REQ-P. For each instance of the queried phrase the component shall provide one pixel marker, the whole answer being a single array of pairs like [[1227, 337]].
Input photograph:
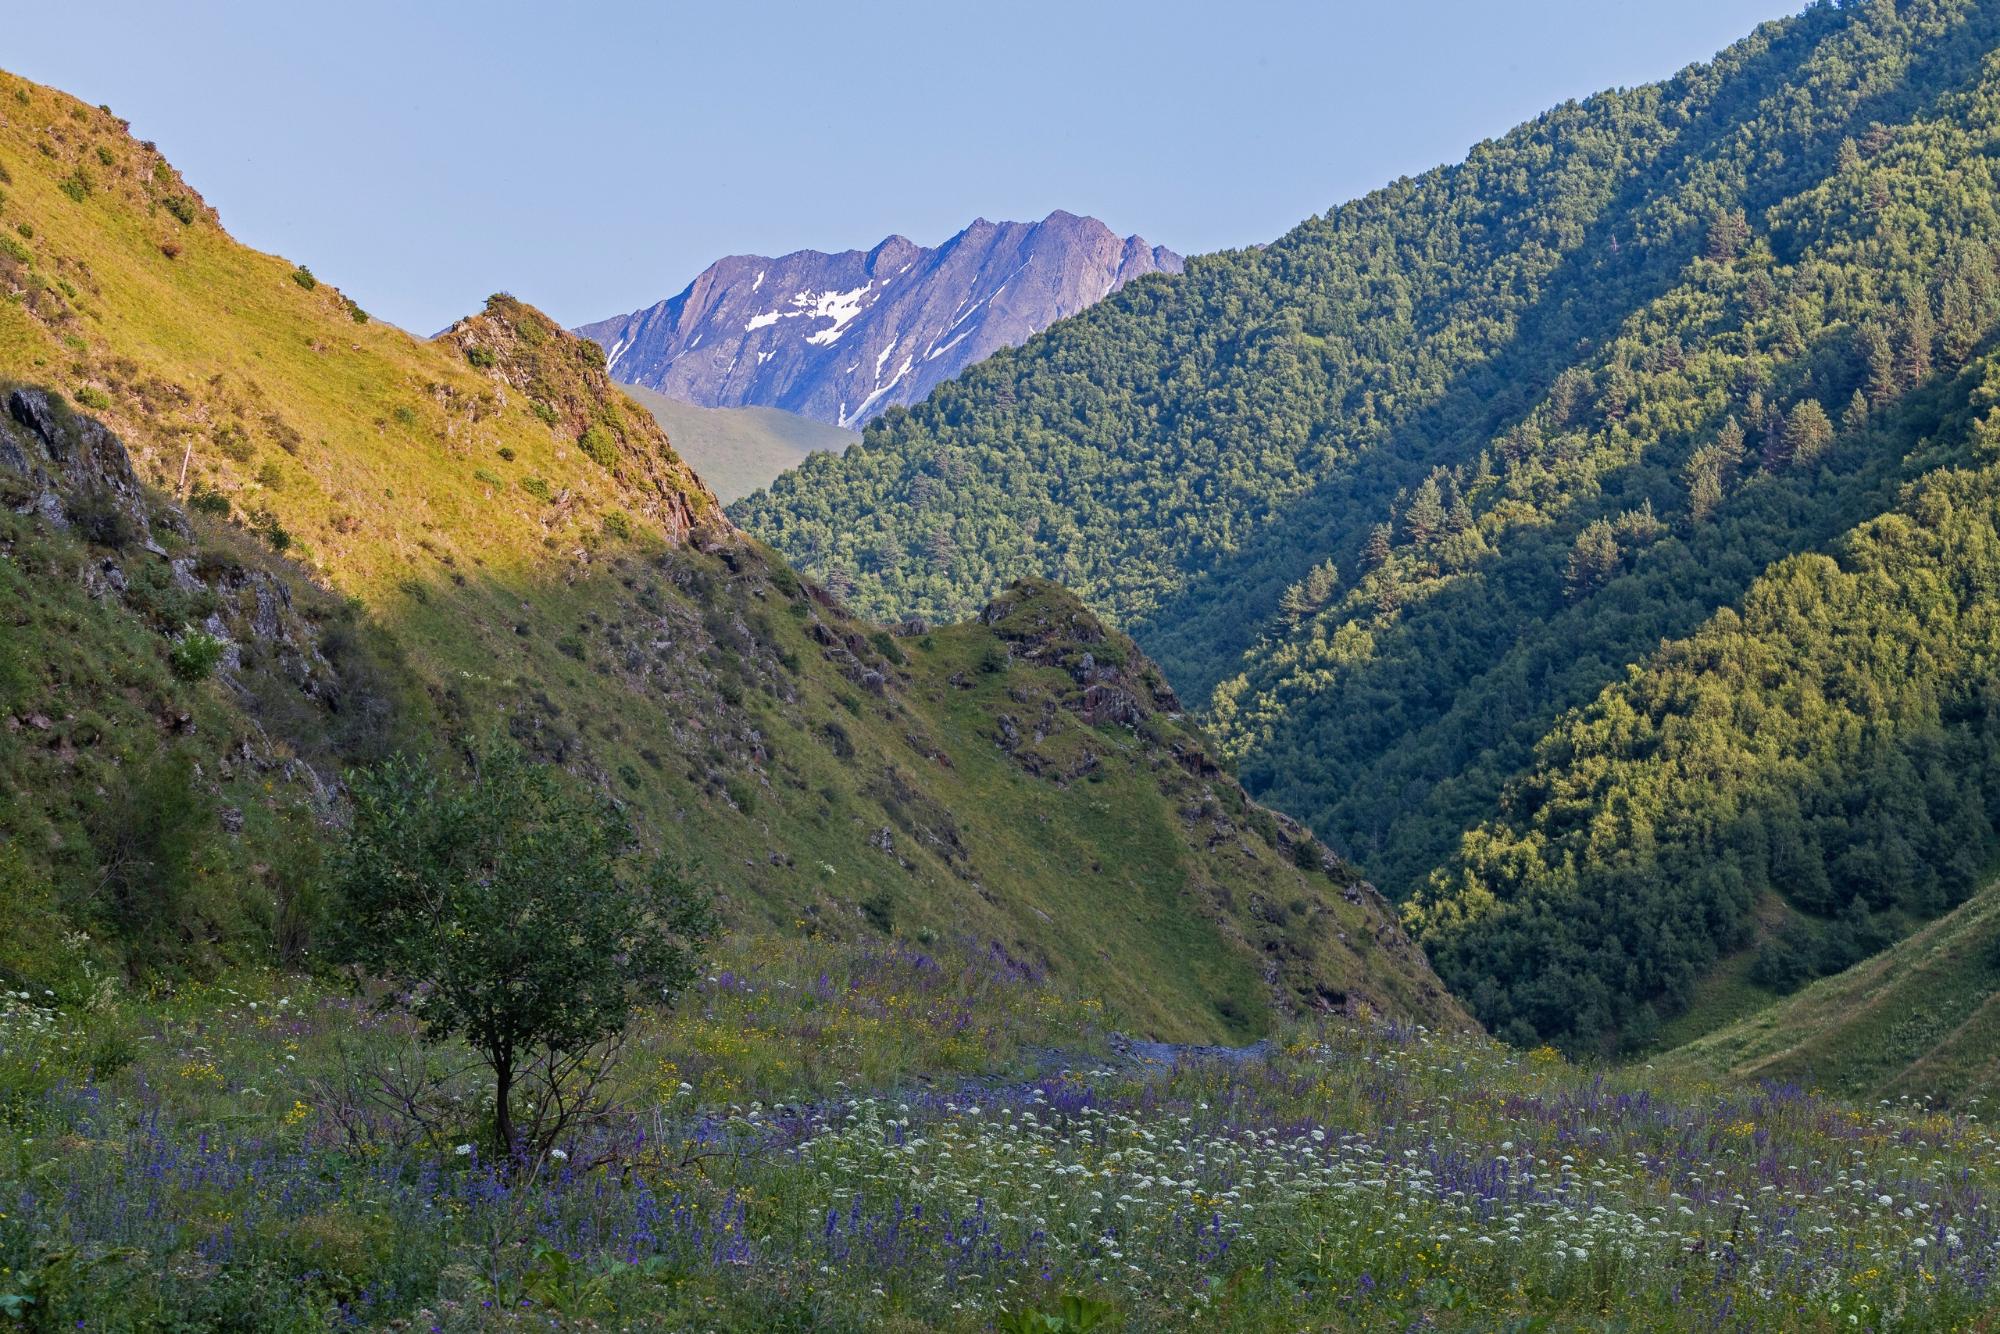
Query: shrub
[[450, 892], [101, 519], [105, 156], [507, 452], [270, 478], [180, 206], [195, 655], [78, 185], [618, 526], [303, 276], [481, 358], [542, 410], [488, 478], [146, 833], [354, 310], [234, 441], [885, 644], [538, 488], [598, 446], [14, 250], [267, 525], [94, 398], [206, 500]]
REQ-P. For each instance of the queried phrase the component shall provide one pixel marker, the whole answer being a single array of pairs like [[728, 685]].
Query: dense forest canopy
[[1592, 538]]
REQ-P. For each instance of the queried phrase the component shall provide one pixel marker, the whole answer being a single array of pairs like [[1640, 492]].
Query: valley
[[1441, 772]]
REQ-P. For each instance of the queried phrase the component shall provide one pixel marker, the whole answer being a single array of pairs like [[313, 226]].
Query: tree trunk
[[503, 1106]]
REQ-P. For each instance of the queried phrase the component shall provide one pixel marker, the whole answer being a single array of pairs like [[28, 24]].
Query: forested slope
[[1437, 468]]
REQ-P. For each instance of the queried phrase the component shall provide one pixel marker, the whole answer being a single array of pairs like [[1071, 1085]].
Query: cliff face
[[841, 337]]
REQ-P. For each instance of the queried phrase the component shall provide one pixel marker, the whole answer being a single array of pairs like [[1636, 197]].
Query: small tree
[[507, 911]]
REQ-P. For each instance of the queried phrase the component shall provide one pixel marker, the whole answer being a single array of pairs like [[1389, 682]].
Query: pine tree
[[1808, 432], [1592, 560], [1311, 593], [1376, 554], [1913, 346], [1703, 475], [1425, 519], [1729, 448], [1881, 366], [1728, 233], [1777, 449], [1855, 419]]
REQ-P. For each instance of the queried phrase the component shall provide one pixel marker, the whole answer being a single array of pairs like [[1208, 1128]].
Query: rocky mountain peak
[[842, 337]]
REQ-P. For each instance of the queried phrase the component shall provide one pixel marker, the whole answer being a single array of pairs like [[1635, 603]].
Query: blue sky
[[593, 158]]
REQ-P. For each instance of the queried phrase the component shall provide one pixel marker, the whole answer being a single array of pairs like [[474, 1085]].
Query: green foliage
[[94, 398], [1072, 1314], [303, 276], [268, 526], [1559, 406], [147, 832], [194, 655], [598, 446], [481, 358], [506, 911], [78, 185], [180, 206]]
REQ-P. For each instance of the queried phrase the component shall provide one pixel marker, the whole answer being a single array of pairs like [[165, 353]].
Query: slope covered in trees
[[1405, 494], [249, 538]]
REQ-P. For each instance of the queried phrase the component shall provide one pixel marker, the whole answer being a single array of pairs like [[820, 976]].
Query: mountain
[[1593, 539], [1922, 1019], [739, 450], [252, 538], [842, 337]]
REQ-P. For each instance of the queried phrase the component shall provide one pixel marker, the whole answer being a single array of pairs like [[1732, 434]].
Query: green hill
[[252, 537], [1590, 539], [739, 450], [1921, 1018]]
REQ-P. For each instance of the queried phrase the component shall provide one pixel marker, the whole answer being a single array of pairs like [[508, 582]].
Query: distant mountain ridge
[[842, 337]]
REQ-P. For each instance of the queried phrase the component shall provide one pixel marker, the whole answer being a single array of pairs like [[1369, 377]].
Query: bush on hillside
[[506, 910]]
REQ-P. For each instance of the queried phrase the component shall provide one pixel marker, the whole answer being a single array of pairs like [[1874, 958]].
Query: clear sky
[[592, 158]]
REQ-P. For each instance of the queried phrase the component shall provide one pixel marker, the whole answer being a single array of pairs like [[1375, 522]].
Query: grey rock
[[842, 337]]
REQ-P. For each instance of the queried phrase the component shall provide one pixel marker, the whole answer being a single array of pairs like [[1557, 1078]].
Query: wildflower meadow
[[837, 1138]]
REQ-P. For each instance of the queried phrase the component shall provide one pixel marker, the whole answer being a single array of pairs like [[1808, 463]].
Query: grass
[[607, 618], [739, 450], [826, 1137], [1923, 1016]]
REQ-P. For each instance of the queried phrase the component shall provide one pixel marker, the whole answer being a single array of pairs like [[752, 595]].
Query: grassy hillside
[[1920, 1019], [529, 555], [1544, 525], [739, 450]]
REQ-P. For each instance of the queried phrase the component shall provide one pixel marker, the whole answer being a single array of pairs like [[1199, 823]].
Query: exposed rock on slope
[[841, 337]]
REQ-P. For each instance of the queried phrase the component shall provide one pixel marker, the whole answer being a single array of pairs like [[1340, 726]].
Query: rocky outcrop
[[563, 379], [73, 471], [841, 337]]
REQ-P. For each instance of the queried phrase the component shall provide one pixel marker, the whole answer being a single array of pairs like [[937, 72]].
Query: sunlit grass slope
[[538, 560]]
